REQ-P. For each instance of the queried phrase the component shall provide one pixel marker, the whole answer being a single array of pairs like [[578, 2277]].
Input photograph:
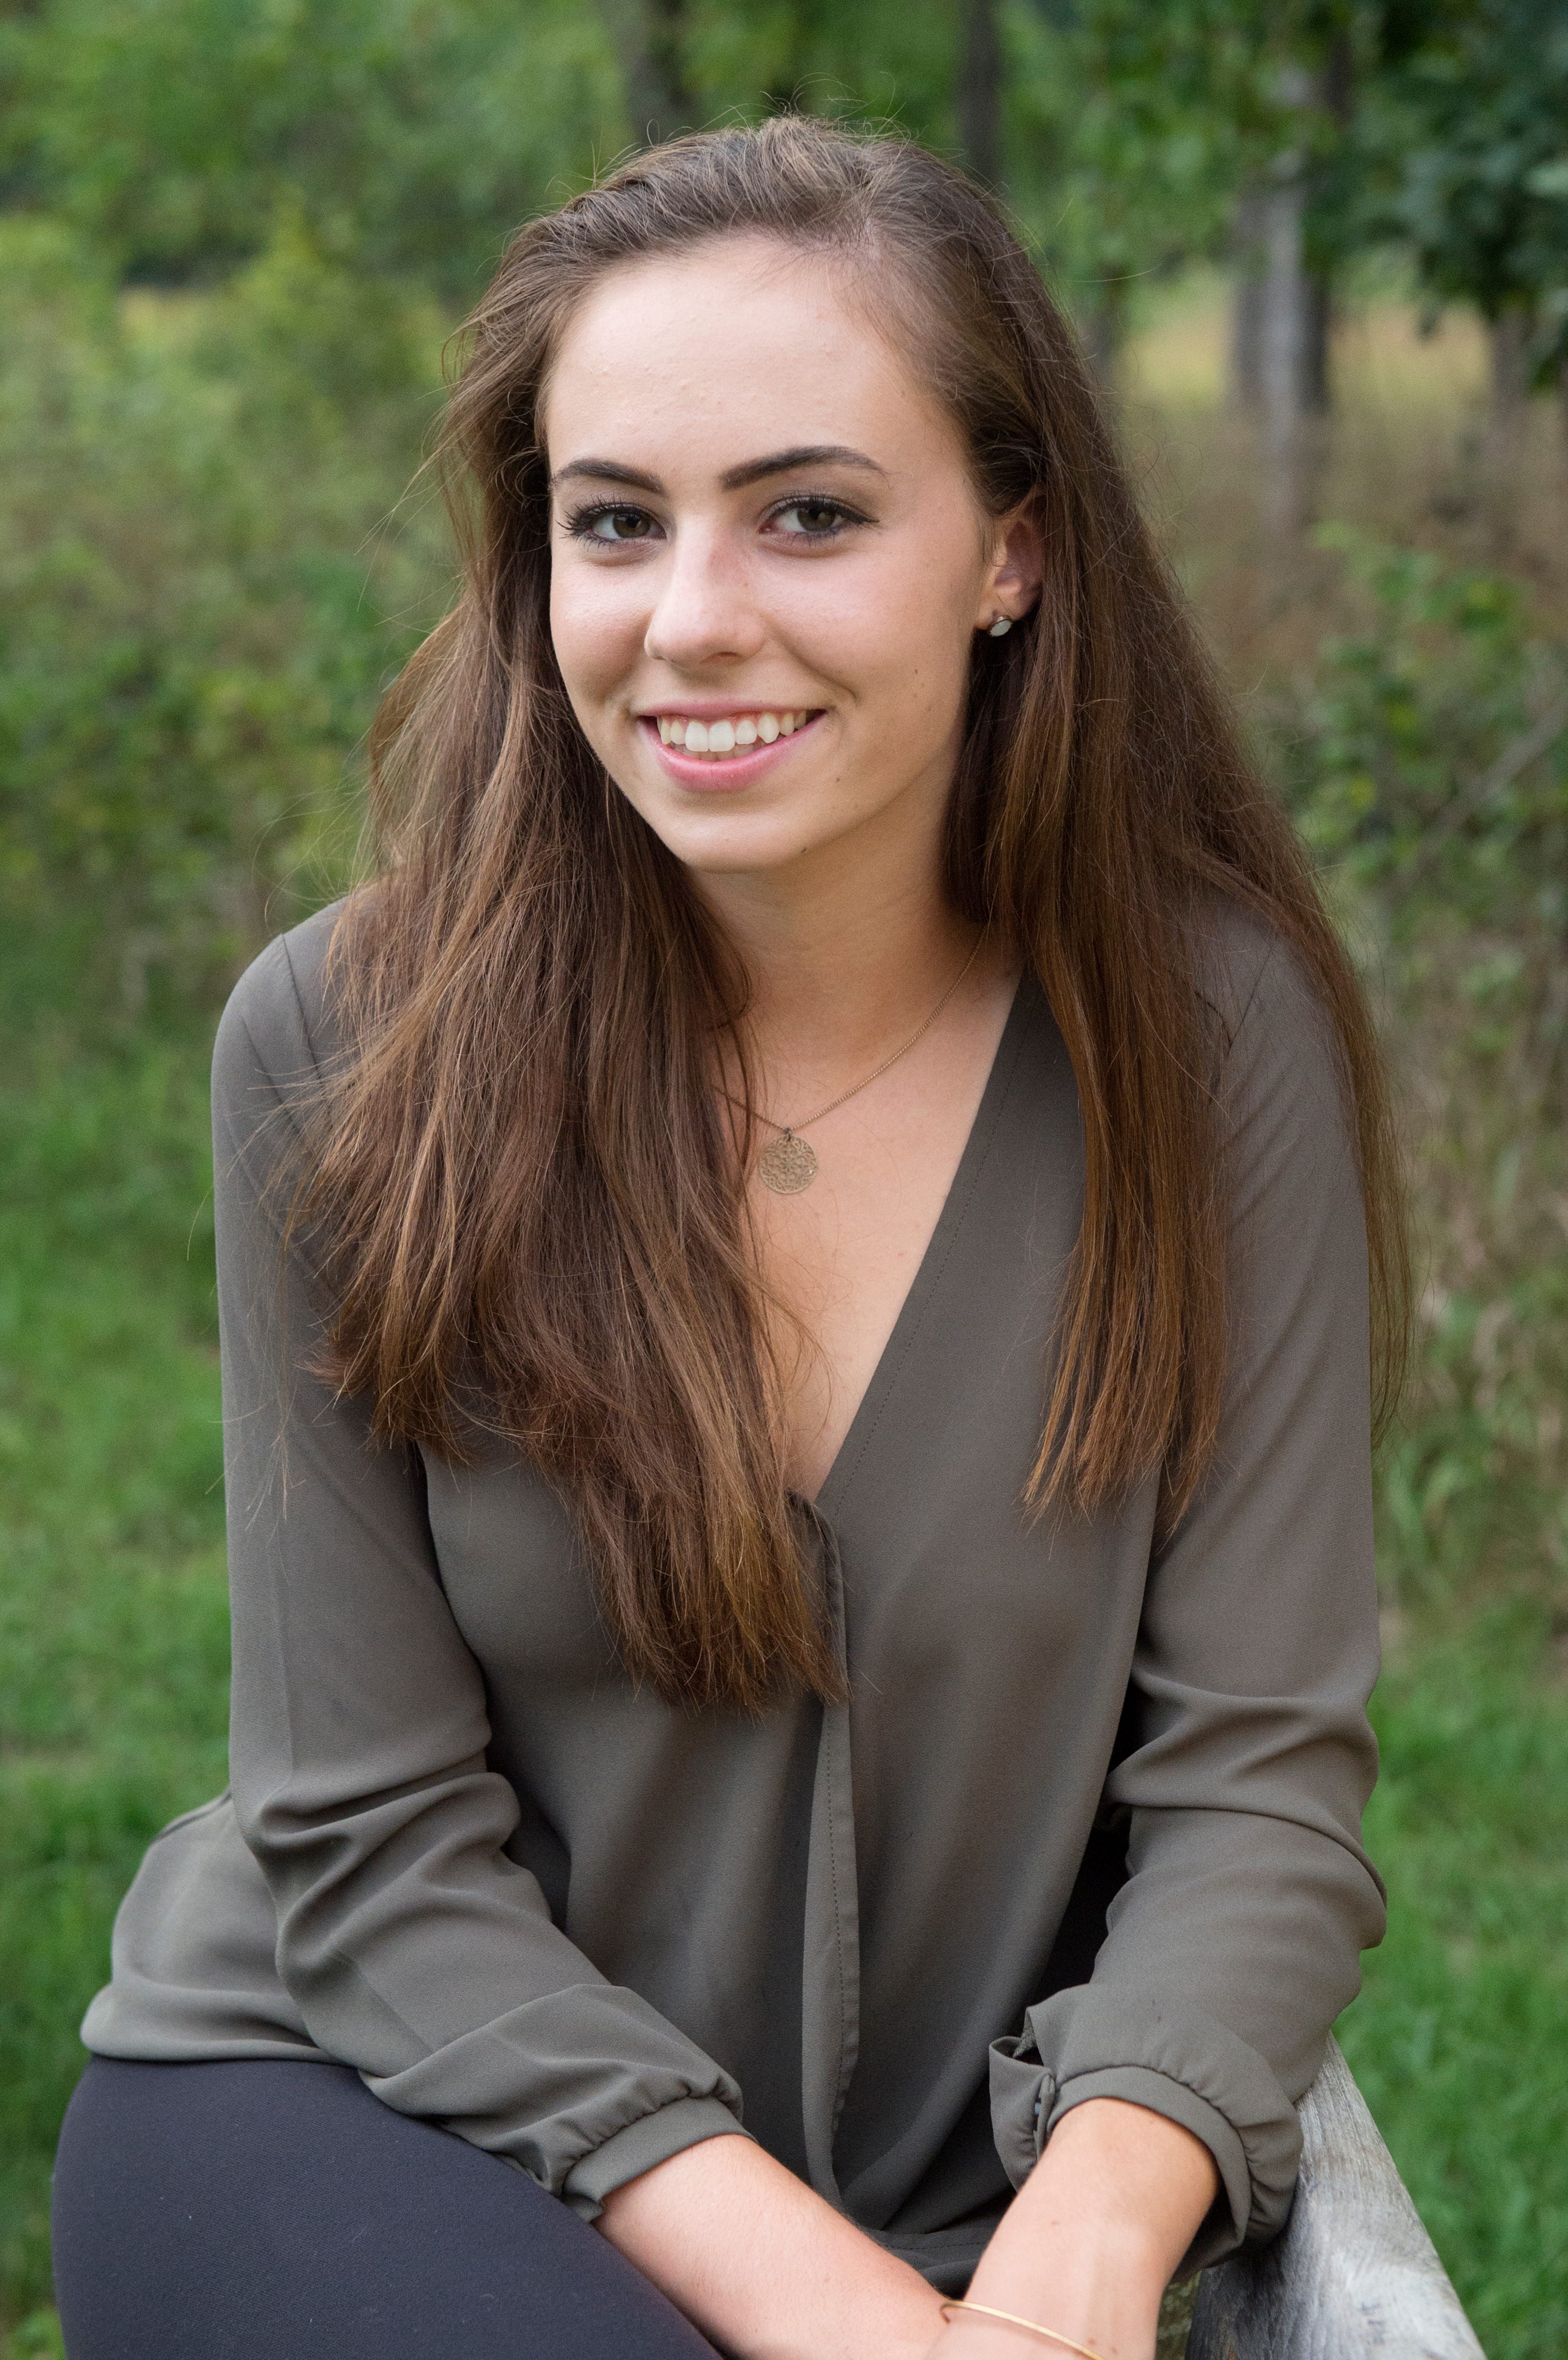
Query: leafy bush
[[1426, 756], [176, 133], [198, 605]]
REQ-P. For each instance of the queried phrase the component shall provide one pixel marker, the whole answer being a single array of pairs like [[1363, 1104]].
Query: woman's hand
[[1089, 2243], [764, 2266]]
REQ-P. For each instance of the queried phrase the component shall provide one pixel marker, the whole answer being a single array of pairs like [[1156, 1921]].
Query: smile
[[734, 734]]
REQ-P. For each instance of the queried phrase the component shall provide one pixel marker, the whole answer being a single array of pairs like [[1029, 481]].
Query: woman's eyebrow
[[607, 471], [734, 479], [806, 454]]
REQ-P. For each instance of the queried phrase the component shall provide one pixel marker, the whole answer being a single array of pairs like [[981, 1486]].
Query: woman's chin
[[737, 843], [742, 852]]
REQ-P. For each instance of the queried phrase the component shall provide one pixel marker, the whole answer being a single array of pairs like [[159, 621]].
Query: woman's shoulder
[[278, 1022], [1278, 1066], [1234, 947], [1252, 979]]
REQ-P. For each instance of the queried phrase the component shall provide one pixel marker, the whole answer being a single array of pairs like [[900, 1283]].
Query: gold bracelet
[[1030, 2326]]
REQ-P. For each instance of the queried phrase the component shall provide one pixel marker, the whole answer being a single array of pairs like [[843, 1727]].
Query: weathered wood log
[[1353, 2275]]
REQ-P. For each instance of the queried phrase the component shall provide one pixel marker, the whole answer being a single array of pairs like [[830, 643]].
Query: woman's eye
[[813, 520], [613, 524]]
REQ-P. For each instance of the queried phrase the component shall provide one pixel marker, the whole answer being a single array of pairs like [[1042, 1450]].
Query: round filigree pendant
[[787, 1166]]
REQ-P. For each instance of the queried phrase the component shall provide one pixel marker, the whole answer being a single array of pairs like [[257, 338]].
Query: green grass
[[1460, 2036], [112, 1704], [113, 1616]]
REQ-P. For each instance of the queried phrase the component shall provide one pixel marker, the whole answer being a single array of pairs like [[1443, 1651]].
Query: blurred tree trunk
[[979, 95], [1508, 350], [649, 36], [1279, 372], [1334, 97], [1103, 326], [1507, 415], [1282, 311], [1284, 357], [1246, 385], [1317, 390]]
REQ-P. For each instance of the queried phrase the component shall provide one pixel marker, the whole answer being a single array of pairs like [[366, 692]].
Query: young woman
[[795, 1284]]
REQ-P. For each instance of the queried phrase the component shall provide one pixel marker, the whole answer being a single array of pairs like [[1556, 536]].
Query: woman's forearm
[[1090, 2242], [767, 2269]]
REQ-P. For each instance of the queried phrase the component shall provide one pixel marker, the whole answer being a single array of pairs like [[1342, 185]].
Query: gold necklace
[[788, 1163]]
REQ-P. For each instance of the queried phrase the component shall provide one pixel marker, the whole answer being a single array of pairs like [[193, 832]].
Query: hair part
[[535, 1221]]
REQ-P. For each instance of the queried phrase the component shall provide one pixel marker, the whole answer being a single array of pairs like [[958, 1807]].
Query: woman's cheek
[[592, 639], [897, 629], [588, 679]]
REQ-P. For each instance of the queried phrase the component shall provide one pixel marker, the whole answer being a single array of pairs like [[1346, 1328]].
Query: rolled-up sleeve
[[1235, 1942], [413, 1947]]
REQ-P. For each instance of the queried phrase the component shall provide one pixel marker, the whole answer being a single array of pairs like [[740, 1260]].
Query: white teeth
[[724, 736]]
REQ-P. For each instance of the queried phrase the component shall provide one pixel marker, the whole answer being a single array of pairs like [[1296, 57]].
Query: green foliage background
[[233, 240]]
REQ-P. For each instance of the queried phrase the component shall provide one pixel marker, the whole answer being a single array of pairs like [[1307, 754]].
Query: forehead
[[700, 361]]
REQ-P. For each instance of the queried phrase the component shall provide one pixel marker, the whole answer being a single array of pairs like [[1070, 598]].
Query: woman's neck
[[843, 953]]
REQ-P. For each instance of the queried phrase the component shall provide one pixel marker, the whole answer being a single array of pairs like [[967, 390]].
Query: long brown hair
[[535, 1220]]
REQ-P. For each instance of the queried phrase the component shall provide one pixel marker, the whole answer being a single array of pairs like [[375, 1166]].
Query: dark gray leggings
[[274, 2210]]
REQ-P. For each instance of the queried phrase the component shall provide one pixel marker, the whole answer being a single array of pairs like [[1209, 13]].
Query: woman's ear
[[1016, 570]]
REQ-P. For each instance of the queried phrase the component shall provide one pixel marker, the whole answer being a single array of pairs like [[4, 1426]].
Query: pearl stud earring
[[1001, 627]]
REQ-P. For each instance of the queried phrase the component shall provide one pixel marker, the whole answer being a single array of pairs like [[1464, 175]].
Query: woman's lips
[[730, 771]]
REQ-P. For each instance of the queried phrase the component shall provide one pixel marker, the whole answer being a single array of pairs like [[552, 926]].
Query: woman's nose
[[704, 613]]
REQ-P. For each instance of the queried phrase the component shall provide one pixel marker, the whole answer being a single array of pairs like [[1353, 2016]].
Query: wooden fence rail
[[1353, 2275]]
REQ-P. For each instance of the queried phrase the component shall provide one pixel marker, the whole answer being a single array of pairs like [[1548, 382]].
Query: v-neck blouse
[[1088, 1825]]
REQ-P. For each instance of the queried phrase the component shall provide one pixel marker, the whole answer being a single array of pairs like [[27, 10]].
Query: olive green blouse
[[1088, 1826]]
